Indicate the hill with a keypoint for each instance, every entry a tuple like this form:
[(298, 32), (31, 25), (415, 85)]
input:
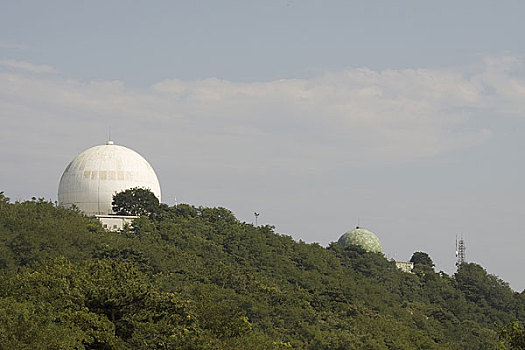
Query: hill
[(198, 278)]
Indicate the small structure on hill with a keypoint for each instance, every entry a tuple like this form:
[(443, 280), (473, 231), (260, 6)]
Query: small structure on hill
[(460, 251), (405, 266), (115, 222)]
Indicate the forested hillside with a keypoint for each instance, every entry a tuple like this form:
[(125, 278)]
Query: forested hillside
[(198, 278)]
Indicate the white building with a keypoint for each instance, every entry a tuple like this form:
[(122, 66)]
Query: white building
[(405, 266), (115, 222), (95, 175)]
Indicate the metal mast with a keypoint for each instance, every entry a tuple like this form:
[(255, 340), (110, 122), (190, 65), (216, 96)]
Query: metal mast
[(460, 251)]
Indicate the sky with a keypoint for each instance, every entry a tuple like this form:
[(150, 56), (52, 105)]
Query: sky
[(403, 117)]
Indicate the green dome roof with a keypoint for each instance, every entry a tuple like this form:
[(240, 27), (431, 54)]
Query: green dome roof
[(363, 238)]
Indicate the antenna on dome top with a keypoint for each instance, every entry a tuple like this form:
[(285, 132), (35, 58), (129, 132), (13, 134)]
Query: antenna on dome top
[(109, 142)]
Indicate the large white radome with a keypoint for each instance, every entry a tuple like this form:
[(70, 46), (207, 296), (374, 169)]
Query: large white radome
[(95, 175)]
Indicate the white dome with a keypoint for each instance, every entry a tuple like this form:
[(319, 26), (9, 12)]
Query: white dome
[(95, 175)]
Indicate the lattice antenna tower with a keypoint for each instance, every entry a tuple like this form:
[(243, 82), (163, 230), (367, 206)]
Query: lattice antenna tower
[(460, 251)]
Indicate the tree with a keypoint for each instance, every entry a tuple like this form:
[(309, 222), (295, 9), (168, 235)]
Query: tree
[(3, 199), (422, 258), (136, 201), (96, 304), (487, 291), (512, 336)]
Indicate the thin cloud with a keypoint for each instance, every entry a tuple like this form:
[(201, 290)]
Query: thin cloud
[(356, 114), (8, 45), (29, 67)]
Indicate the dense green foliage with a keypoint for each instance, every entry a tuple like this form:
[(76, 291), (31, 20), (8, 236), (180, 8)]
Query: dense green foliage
[(512, 336), (198, 278)]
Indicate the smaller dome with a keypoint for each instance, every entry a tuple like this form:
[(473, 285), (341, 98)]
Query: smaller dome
[(362, 238)]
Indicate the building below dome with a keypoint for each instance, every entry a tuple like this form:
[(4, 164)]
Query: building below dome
[(363, 238), (405, 266), (94, 176), (115, 222)]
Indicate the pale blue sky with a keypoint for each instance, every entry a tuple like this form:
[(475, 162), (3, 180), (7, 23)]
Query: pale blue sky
[(255, 40), (408, 115)]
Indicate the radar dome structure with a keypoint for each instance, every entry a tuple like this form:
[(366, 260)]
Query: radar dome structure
[(362, 238), (95, 175)]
